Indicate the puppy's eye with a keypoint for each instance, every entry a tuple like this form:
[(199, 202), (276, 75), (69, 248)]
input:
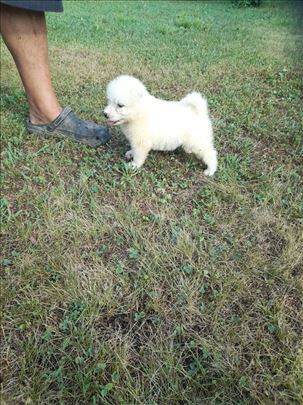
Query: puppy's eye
[(120, 105)]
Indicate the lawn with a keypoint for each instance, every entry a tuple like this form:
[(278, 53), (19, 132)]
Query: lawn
[(159, 286)]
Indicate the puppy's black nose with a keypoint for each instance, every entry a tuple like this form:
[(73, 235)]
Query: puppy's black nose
[(105, 114)]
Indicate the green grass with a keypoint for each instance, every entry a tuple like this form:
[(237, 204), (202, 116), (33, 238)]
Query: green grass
[(161, 286)]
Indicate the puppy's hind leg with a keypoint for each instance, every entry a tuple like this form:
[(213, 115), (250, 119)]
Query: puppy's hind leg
[(209, 156)]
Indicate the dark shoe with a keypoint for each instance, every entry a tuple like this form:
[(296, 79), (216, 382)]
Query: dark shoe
[(68, 125)]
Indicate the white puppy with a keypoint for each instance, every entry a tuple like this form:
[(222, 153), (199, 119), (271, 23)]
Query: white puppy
[(153, 124)]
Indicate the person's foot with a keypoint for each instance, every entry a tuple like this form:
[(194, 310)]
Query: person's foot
[(45, 113), (68, 125)]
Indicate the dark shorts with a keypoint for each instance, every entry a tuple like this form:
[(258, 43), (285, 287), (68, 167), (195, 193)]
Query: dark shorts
[(36, 5)]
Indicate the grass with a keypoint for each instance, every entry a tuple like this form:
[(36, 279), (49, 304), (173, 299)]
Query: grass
[(160, 286)]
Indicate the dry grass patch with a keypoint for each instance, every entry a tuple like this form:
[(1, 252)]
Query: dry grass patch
[(158, 286)]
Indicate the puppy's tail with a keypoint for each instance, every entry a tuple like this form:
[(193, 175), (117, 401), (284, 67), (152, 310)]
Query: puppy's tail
[(196, 102)]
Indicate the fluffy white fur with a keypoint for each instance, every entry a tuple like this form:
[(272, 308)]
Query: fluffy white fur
[(153, 124)]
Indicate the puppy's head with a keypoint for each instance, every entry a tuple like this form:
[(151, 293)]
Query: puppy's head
[(124, 95)]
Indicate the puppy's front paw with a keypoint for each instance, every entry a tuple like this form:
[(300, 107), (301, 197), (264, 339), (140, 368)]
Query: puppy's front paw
[(129, 154), (134, 165), (208, 172)]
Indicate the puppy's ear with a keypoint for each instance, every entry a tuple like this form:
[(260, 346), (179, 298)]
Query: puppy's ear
[(138, 93)]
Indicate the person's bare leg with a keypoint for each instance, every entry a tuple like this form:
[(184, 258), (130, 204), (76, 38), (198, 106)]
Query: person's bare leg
[(25, 34)]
